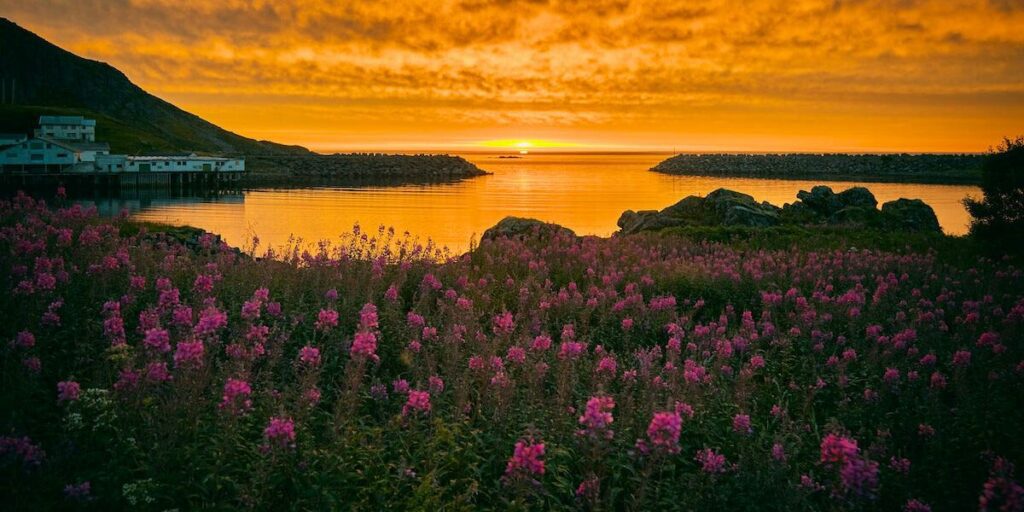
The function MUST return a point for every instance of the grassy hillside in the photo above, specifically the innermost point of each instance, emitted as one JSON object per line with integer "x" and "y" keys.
{"x": 122, "y": 136}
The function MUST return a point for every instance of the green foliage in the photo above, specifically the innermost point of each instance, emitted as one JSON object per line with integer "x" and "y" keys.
{"x": 999, "y": 215}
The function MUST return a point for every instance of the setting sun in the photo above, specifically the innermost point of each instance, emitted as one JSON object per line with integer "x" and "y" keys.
{"x": 527, "y": 144}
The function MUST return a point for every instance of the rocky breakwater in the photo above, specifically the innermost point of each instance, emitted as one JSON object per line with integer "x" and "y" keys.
{"x": 855, "y": 207}
{"x": 364, "y": 166}
{"x": 906, "y": 168}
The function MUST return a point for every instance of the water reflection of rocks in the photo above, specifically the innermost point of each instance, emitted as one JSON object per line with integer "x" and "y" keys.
{"x": 110, "y": 205}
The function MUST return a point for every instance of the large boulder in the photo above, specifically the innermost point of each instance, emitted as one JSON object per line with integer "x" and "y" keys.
{"x": 910, "y": 214}
{"x": 798, "y": 213}
{"x": 519, "y": 227}
{"x": 820, "y": 199}
{"x": 690, "y": 209}
{"x": 858, "y": 216}
{"x": 753, "y": 217}
{"x": 720, "y": 207}
{"x": 822, "y": 205}
{"x": 646, "y": 220}
{"x": 858, "y": 197}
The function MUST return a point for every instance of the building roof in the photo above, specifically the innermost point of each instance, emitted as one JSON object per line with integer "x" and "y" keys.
{"x": 20, "y": 136}
{"x": 57, "y": 142}
{"x": 79, "y": 120}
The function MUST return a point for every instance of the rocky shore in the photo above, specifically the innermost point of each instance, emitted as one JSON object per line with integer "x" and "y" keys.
{"x": 373, "y": 168}
{"x": 908, "y": 168}
{"x": 855, "y": 207}
{"x": 821, "y": 206}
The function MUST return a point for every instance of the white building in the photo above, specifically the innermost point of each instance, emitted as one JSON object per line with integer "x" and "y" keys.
{"x": 41, "y": 154}
{"x": 68, "y": 144}
{"x": 75, "y": 128}
{"x": 186, "y": 163}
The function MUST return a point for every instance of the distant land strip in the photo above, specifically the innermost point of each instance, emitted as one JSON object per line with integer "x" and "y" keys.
{"x": 902, "y": 168}
{"x": 351, "y": 168}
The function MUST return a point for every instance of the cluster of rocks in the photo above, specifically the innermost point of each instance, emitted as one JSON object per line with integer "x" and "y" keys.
{"x": 820, "y": 206}
{"x": 370, "y": 165}
{"x": 889, "y": 167}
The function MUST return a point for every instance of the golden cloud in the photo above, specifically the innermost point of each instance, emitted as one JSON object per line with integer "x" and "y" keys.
{"x": 800, "y": 74}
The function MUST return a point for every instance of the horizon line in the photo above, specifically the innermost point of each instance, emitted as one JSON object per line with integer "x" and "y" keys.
{"x": 569, "y": 151}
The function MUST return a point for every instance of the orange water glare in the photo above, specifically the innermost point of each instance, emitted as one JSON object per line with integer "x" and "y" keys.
{"x": 586, "y": 193}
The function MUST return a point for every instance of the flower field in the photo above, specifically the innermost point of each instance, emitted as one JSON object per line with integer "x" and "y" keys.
{"x": 143, "y": 371}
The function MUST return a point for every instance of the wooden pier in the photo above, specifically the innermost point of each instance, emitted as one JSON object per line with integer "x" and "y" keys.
{"x": 123, "y": 180}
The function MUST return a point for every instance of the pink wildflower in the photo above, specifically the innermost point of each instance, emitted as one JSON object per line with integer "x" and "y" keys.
{"x": 400, "y": 386}
{"x": 367, "y": 317}
{"x": 571, "y": 350}
{"x": 419, "y": 401}
{"x": 156, "y": 372}
{"x": 516, "y": 354}
{"x": 607, "y": 366}
{"x": 326, "y": 320}
{"x": 25, "y": 339}
{"x": 280, "y": 433}
{"x": 757, "y": 362}
{"x": 915, "y": 505}
{"x": 1001, "y": 492}
{"x": 189, "y": 354}
{"x": 663, "y": 431}
{"x": 597, "y": 417}
{"x": 527, "y": 460}
{"x": 158, "y": 340}
{"x": 436, "y": 385}
{"x": 961, "y": 358}
{"x": 711, "y": 461}
{"x": 778, "y": 452}
{"x": 68, "y": 391}
{"x": 859, "y": 476}
{"x": 309, "y": 356}
{"x": 838, "y": 449}
{"x": 741, "y": 424}
{"x": 540, "y": 343}
{"x": 236, "y": 397}
{"x": 210, "y": 321}
{"x": 364, "y": 346}
{"x": 504, "y": 324}
{"x": 891, "y": 376}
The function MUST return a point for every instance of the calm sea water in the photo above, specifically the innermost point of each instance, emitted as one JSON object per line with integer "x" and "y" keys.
{"x": 586, "y": 193}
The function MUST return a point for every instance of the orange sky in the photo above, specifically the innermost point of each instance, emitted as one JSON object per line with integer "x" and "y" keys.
{"x": 819, "y": 75}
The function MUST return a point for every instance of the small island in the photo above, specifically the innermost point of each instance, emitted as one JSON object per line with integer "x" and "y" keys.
{"x": 902, "y": 167}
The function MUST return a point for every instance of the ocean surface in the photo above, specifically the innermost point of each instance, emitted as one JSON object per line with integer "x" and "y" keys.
{"x": 584, "y": 192}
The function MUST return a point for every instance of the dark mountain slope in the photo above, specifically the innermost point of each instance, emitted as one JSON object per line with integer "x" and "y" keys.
{"x": 41, "y": 78}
